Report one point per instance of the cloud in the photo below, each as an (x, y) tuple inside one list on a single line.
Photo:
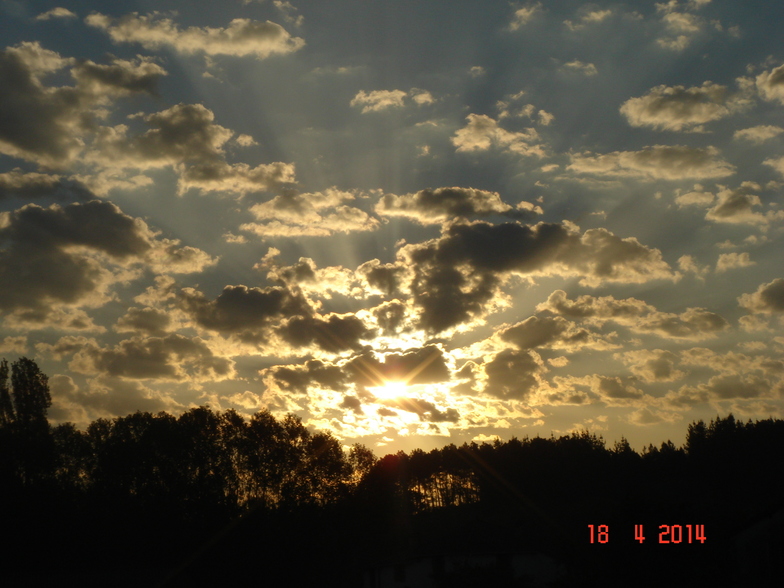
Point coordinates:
[(104, 397), (150, 321), (665, 162), (436, 206), (655, 365), (680, 27), (379, 100), (588, 18), (729, 261), (679, 108), (770, 84), (18, 184), (59, 258), (737, 207), (58, 12), (314, 214), (512, 375), (483, 133), (184, 132), (241, 38), (758, 134), (776, 163), (697, 197), (768, 299), (693, 323), (551, 332), (173, 357), (16, 345), (238, 178), (577, 66), (333, 333), (246, 314), (524, 15), (46, 125), (457, 277)]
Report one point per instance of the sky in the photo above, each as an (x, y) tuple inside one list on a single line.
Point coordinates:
[(409, 223)]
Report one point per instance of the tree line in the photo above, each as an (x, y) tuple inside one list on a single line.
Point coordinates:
[(167, 489)]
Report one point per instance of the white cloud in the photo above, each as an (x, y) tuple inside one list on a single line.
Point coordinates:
[(678, 108), (483, 133), (242, 37), (666, 162), (758, 134), (524, 15)]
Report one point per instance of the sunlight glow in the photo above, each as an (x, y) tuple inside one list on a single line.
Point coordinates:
[(390, 389)]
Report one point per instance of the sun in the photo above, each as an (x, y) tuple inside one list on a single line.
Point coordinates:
[(390, 389)]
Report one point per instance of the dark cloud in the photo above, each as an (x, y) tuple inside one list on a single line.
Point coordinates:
[(46, 124), (146, 320), (512, 375), (297, 379), (390, 316), (173, 357), (656, 365), (333, 334), (435, 206), (693, 323), (458, 274), (48, 255), (554, 332), (768, 299), (243, 312), (18, 184)]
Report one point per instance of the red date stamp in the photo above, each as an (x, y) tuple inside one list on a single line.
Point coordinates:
[(667, 533)]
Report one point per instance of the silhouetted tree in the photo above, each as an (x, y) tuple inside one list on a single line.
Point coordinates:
[(6, 407), (31, 395)]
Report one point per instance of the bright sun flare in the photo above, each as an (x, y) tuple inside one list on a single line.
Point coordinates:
[(391, 390)]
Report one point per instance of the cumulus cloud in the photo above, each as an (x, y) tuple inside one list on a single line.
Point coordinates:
[(104, 396), (60, 258), (150, 321), (697, 197), (758, 134), (316, 214), (457, 277), (654, 365), (679, 27), (47, 125), (523, 15), (679, 108), (482, 133), (512, 375), (238, 178), (737, 206), (551, 332), (58, 12), (776, 163), (242, 37), (589, 17), (378, 100), (19, 184), (693, 323), (577, 66), (436, 206), (768, 299), (729, 261), (665, 162), (173, 357), (770, 84), (244, 313)]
